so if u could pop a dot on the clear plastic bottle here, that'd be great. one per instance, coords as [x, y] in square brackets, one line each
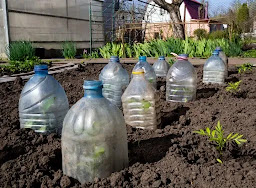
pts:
[115, 79]
[140, 103]
[161, 67]
[43, 103]
[214, 69]
[150, 74]
[94, 137]
[181, 81]
[224, 58]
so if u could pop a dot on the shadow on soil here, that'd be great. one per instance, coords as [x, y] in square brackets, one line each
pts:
[206, 93]
[233, 79]
[170, 117]
[11, 154]
[151, 150]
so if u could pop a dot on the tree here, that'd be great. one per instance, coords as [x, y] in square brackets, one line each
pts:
[174, 9]
[243, 17]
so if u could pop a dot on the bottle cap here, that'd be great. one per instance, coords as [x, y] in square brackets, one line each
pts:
[114, 59]
[183, 57]
[161, 58]
[92, 84]
[138, 71]
[142, 58]
[41, 68]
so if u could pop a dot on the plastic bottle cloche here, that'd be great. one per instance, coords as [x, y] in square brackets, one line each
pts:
[214, 69]
[94, 137]
[43, 103]
[161, 67]
[141, 103]
[115, 80]
[181, 81]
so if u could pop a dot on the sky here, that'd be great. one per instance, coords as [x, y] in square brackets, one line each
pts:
[219, 5]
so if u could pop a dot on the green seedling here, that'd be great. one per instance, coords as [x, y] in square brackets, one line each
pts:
[146, 105]
[28, 124]
[48, 103]
[217, 136]
[233, 87]
[151, 80]
[245, 68]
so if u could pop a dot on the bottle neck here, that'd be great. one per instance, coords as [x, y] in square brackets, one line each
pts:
[93, 93]
[138, 75]
[41, 72]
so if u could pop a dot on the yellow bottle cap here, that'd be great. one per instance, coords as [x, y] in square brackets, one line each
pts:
[139, 71]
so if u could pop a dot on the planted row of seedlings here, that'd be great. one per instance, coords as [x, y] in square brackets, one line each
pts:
[93, 131]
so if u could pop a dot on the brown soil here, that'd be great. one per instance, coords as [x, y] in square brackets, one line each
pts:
[172, 156]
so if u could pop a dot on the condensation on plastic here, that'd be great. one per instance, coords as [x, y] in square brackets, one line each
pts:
[214, 70]
[115, 80]
[43, 104]
[141, 103]
[94, 139]
[181, 81]
[150, 74]
[161, 67]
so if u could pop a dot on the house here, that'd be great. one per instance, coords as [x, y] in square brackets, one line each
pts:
[157, 23]
[50, 23]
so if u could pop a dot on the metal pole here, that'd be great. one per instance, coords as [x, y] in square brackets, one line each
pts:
[113, 19]
[90, 18]
[5, 19]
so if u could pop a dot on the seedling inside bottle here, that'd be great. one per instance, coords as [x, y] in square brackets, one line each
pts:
[217, 136]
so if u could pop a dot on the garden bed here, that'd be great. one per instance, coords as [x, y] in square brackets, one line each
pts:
[171, 156]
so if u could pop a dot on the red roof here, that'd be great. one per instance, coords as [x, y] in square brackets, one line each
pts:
[193, 9]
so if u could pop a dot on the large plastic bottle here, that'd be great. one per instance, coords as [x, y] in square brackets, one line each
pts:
[140, 103]
[214, 69]
[224, 58]
[161, 67]
[181, 81]
[43, 103]
[115, 80]
[150, 74]
[94, 137]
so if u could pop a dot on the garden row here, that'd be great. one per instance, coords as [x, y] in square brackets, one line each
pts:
[170, 156]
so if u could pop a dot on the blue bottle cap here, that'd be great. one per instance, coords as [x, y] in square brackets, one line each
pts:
[161, 58]
[219, 48]
[92, 84]
[114, 59]
[142, 58]
[40, 68]
[215, 52]
[183, 55]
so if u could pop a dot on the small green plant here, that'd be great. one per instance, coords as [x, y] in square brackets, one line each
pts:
[20, 66]
[245, 68]
[200, 33]
[250, 53]
[233, 87]
[93, 55]
[20, 51]
[69, 50]
[217, 136]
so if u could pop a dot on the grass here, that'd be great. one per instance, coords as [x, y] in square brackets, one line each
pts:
[20, 51]
[69, 50]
